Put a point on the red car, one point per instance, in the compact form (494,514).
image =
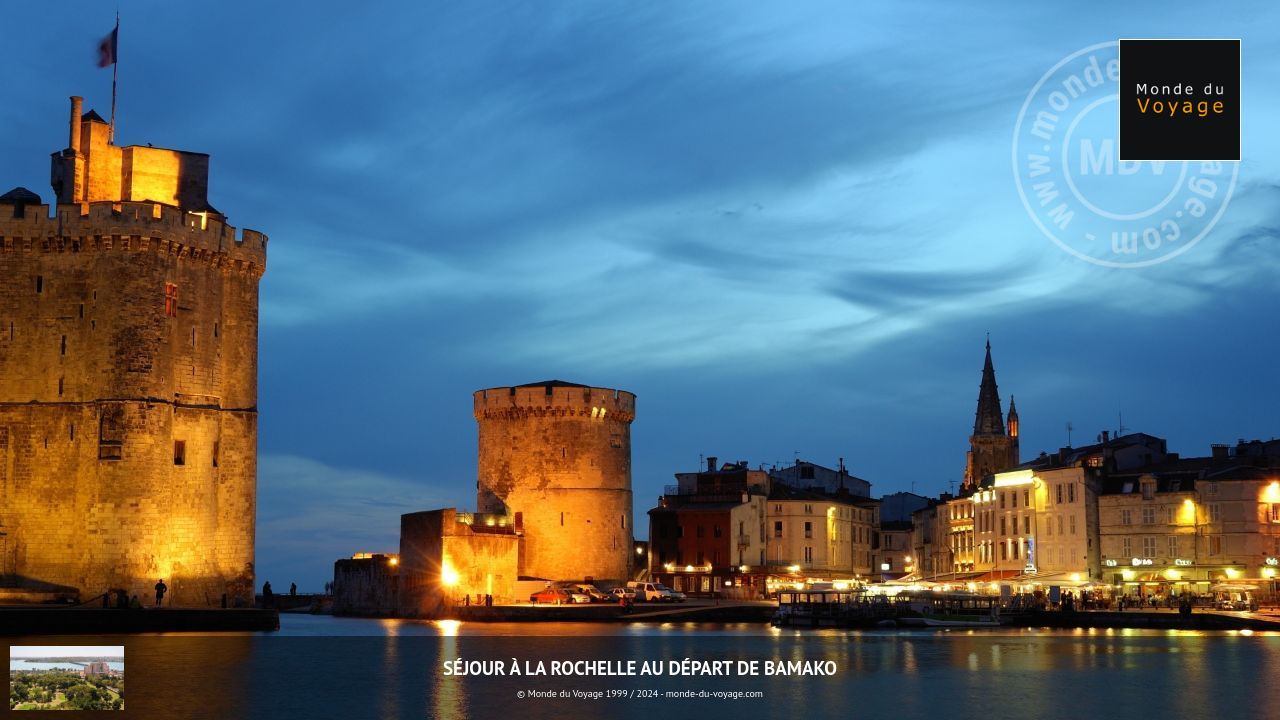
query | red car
(551,596)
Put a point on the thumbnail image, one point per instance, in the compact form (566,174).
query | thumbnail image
(66,677)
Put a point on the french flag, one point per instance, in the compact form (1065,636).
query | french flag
(107,49)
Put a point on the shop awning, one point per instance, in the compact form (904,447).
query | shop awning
(995,575)
(1055,578)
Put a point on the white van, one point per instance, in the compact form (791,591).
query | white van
(650,592)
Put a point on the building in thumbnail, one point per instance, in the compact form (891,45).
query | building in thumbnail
(128,379)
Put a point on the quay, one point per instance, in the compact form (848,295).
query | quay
(107,621)
(1145,619)
(693,611)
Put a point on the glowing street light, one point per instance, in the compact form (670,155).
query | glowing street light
(449,576)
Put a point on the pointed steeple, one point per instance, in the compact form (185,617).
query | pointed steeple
(1013,418)
(989,419)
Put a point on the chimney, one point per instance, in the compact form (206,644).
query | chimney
(711,463)
(1220,452)
(76,105)
(1106,435)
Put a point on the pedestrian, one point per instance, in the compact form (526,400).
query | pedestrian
(268,598)
(466,600)
(161,589)
(293,589)
(488,600)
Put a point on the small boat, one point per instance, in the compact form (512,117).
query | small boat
(860,609)
(950,609)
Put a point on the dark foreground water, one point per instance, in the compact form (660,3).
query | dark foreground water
(321,667)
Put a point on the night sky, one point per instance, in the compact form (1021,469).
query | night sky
(787,230)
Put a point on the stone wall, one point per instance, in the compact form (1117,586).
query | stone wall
(366,586)
(443,559)
(128,400)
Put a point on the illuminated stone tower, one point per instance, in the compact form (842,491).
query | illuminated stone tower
(559,454)
(991,449)
(128,378)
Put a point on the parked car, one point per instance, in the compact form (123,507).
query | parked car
(577,596)
(619,593)
(592,592)
(551,596)
(671,595)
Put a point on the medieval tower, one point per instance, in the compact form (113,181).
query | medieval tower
(558,455)
(991,448)
(128,378)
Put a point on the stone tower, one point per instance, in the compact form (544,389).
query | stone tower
(991,449)
(128,378)
(559,455)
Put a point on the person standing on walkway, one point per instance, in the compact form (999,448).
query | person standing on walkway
(161,589)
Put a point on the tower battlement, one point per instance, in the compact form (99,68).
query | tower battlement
(136,226)
(555,399)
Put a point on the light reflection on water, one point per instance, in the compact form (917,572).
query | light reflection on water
(321,667)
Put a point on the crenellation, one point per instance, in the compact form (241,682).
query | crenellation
(71,231)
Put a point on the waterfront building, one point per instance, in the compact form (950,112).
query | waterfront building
(823,535)
(961,540)
(1039,522)
(1188,524)
(707,536)
(128,379)
(892,557)
(931,542)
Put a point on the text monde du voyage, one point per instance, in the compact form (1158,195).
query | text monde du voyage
(626,668)
(1179,100)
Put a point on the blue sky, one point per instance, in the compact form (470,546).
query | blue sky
(786,229)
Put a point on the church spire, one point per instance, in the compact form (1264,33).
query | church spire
(989,419)
(1013,418)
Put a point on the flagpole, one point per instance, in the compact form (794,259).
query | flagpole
(115,69)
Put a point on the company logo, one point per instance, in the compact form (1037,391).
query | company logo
(1070,178)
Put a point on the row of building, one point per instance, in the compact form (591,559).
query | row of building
(1123,515)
